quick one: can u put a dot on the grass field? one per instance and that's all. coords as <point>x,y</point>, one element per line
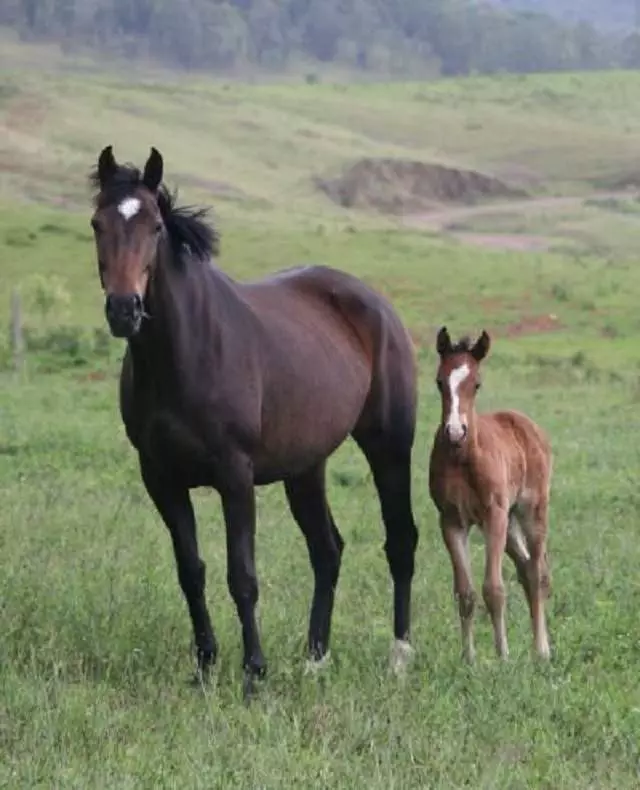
<point>95,648</point>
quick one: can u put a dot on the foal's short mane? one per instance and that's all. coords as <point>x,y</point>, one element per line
<point>463,346</point>
<point>188,231</point>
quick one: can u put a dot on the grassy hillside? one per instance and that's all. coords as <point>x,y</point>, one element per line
<point>259,146</point>
<point>95,636</point>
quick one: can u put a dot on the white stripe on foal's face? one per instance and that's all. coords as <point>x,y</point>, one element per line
<point>454,425</point>
<point>129,207</point>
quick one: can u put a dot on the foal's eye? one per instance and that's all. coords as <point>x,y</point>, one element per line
<point>439,385</point>
<point>478,385</point>
<point>95,225</point>
<point>158,227</point>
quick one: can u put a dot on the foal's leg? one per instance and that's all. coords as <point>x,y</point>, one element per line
<point>391,468</point>
<point>538,575</point>
<point>518,552</point>
<point>308,503</point>
<point>495,536</point>
<point>456,539</point>
<point>239,509</point>
<point>174,505</point>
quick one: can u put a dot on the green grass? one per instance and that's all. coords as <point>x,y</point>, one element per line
<point>95,649</point>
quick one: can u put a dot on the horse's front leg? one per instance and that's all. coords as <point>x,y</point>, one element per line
<point>174,505</point>
<point>239,508</point>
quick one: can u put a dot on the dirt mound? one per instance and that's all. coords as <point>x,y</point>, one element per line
<point>398,186</point>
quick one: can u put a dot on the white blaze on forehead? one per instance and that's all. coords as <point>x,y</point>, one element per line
<point>129,207</point>
<point>454,423</point>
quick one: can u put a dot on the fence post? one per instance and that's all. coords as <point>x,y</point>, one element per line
<point>17,335</point>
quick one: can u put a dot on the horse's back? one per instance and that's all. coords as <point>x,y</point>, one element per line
<point>524,447</point>
<point>316,294</point>
<point>521,429</point>
<point>392,401</point>
<point>318,303</point>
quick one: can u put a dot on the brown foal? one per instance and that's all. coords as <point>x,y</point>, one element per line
<point>493,470</point>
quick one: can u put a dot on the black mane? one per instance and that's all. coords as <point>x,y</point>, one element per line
<point>189,233</point>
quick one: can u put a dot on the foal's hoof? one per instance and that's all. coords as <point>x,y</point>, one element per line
<point>401,656</point>
<point>314,666</point>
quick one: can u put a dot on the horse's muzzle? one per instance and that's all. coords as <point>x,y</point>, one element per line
<point>124,314</point>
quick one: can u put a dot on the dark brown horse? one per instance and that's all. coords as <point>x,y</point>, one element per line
<point>493,470</point>
<point>235,385</point>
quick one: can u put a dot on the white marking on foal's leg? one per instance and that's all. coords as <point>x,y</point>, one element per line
<point>314,666</point>
<point>402,653</point>
<point>468,648</point>
<point>455,427</point>
<point>516,535</point>
<point>542,643</point>
<point>129,207</point>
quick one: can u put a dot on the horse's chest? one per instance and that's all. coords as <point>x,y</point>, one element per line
<point>454,492</point>
<point>172,443</point>
<point>466,499</point>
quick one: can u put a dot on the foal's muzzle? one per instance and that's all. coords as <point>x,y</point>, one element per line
<point>456,434</point>
<point>124,314</point>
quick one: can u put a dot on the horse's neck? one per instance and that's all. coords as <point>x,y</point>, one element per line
<point>181,321</point>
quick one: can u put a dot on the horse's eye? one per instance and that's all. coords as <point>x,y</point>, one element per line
<point>439,385</point>
<point>95,225</point>
<point>158,227</point>
<point>478,385</point>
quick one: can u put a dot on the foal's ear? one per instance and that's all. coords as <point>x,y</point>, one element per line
<point>153,170</point>
<point>106,165</point>
<point>443,341</point>
<point>481,347</point>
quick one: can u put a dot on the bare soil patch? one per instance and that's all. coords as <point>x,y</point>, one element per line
<point>534,324</point>
<point>507,241</point>
<point>400,186</point>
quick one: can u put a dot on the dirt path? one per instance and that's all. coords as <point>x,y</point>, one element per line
<point>441,220</point>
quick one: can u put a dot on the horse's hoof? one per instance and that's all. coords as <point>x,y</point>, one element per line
<point>250,687</point>
<point>314,666</point>
<point>401,656</point>
<point>199,679</point>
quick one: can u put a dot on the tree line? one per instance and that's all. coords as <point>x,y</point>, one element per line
<point>403,37</point>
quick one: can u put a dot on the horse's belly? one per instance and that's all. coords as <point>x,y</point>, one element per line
<point>304,432</point>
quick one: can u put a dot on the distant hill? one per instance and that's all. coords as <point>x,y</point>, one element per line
<point>605,14</point>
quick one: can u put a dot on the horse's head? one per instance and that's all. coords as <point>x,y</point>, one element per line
<point>458,380</point>
<point>127,225</point>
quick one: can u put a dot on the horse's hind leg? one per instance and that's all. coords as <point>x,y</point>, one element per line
<point>535,526</point>
<point>518,551</point>
<point>390,464</point>
<point>307,499</point>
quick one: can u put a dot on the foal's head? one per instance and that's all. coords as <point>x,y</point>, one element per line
<point>127,224</point>
<point>458,381</point>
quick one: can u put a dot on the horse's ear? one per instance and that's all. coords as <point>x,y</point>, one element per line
<point>481,347</point>
<point>443,341</point>
<point>107,165</point>
<point>152,176</point>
